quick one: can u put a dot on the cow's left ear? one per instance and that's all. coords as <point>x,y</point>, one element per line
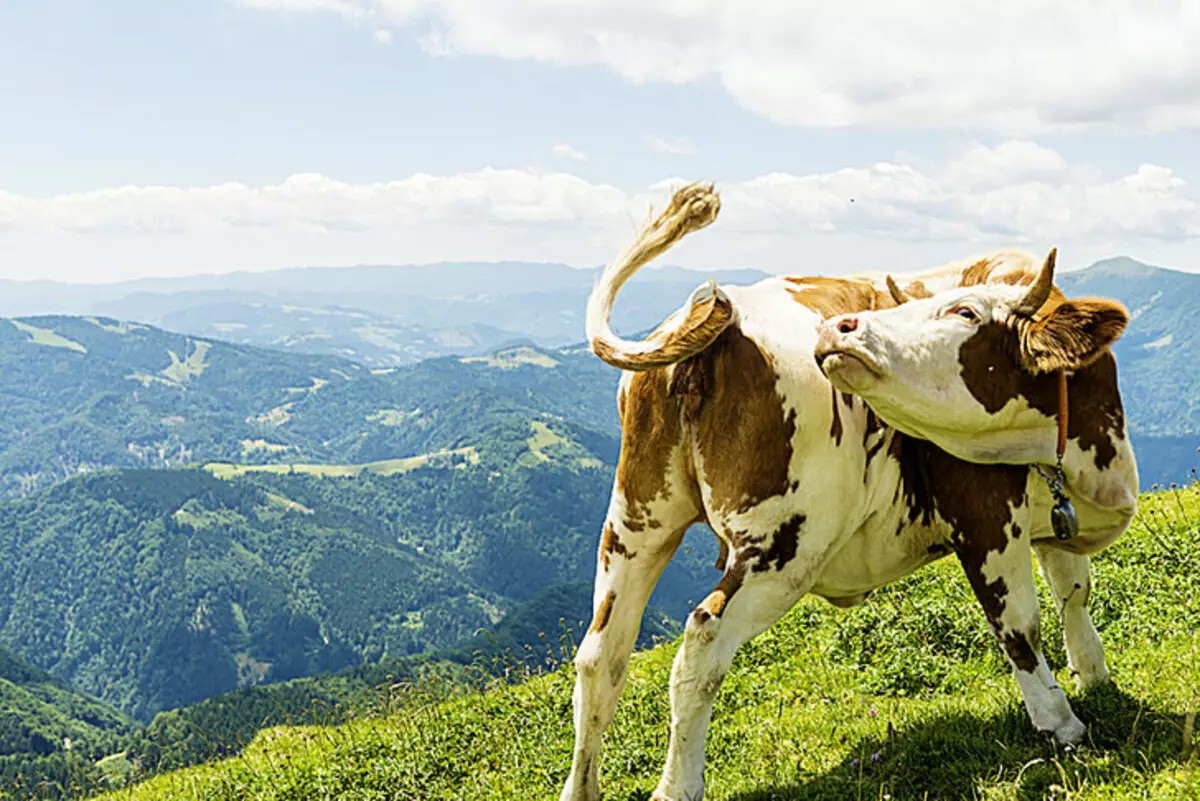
<point>1073,334</point>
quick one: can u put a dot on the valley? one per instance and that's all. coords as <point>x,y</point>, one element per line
<point>201,536</point>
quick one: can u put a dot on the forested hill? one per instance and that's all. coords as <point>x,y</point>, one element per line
<point>82,394</point>
<point>153,589</point>
<point>39,712</point>
<point>47,730</point>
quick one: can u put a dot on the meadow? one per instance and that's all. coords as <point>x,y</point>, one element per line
<point>903,697</point>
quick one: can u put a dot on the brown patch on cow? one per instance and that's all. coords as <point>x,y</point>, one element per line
<point>977,502</point>
<point>700,328</point>
<point>726,588</point>
<point>603,613</point>
<point>977,273</point>
<point>835,428</point>
<point>743,434</point>
<point>872,425</point>
<point>749,553</point>
<point>783,545</point>
<point>711,606</point>
<point>830,297</point>
<point>993,375</point>
<point>1022,650</point>
<point>723,556</point>
<point>610,543</point>
<point>917,290</point>
<point>915,487</point>
<point>650,431</point>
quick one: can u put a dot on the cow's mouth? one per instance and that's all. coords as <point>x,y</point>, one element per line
<point>848,370</point>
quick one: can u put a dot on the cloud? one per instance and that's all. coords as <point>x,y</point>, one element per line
<point>383,36</point>
<point>679,146</point>
<point>1016,193</point>
<point>564,152</point>
<point>1021,68</point>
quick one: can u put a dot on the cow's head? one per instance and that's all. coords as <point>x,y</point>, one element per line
<point>960,367</point>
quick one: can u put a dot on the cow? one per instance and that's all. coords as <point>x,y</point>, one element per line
<point>837,434</point>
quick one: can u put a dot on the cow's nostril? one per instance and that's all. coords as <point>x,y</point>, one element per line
<point>847,324</point>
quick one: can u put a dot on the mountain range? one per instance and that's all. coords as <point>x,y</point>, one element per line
<point>378,316</point>
<point>188,515</point>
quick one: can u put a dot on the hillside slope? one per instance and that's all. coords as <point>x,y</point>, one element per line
<point>37,712</point>
<point>82,394</point>
<point>47,729</point>
<point>153,589</point>
<point>904,697</point>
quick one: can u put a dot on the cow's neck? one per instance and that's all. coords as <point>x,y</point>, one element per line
<point>1099,464</point>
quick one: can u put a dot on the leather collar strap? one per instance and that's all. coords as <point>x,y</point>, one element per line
<point>1063,519</point>
<point>1062,415</point>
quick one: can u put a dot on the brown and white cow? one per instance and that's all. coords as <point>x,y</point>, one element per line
<point>729,418</point>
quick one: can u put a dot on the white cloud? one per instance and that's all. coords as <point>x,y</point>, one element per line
<point>1017,193</point>
<point>383,36</point>
<point>1022,67</point>
<point>679,146</point>
<point>564,152</point>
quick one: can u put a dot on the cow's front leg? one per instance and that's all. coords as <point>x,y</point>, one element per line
<point>1002,577</point>
<point>1070,581</point>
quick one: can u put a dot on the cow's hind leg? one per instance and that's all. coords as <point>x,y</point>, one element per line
<point>1002,578</point>
<point>1070,581</point>
<point>752,595</point>
<point>632,555</point>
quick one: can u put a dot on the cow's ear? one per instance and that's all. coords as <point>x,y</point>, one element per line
<point>1073,334</point>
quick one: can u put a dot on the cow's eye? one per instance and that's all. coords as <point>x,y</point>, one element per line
<point>965,312</point>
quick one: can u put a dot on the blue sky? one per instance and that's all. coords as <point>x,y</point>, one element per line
<point>124,123</point>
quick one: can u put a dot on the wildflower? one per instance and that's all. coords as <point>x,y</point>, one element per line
<point>873,712</point>
<point>854,764</point>
<point>875,756</point>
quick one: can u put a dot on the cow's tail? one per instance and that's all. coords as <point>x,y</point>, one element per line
<point>689,330</point>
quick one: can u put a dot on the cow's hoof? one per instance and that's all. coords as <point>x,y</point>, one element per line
<point>1071,732</point>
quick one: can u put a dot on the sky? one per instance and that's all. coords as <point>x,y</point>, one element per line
<point>147,138</point>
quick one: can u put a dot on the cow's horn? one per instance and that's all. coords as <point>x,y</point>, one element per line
<point>897,293</point>
<point>1040,289</point>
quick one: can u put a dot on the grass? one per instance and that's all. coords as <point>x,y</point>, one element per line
<point>180,372</point>
<point>512,359</point>
<point>542,437</point>
<point>386,467</point>
<point>904,697</point>
<point>44,336</point>
<point>122,327</point>
<point>251,445</point>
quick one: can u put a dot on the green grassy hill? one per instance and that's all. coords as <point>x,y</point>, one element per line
<point>905,697</point>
